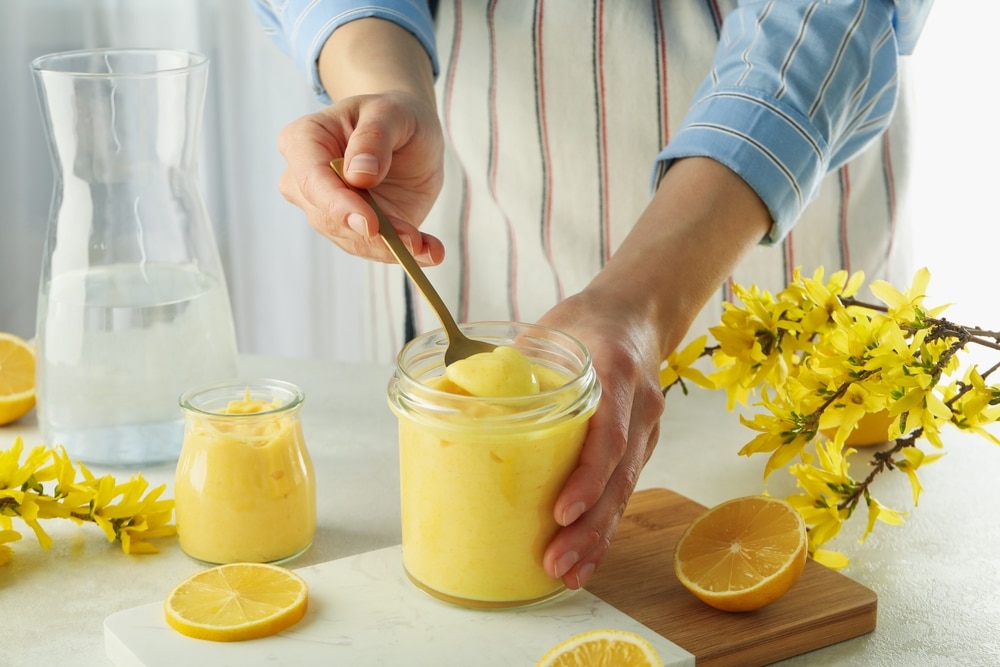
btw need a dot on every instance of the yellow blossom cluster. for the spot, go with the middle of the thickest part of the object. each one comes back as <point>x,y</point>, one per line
<point>822,361</point>
<point>127,512</point>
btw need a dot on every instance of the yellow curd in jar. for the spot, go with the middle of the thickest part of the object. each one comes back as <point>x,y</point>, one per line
<point>478,492</point>
<point>244,489</point>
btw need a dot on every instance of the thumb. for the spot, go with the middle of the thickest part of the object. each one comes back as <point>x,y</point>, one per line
<point>369,150</point>
<point>362,168</point>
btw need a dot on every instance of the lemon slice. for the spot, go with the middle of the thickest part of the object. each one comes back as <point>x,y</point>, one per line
<point>237,601</point>
<point>602,648</point>
<point>742,554</point>
<point>17,378</point>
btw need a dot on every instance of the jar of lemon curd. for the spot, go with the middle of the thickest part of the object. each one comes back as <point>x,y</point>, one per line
<point>244,489</point>
<point>479,475</point>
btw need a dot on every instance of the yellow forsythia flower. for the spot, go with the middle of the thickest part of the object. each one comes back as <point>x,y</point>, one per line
<point>128,512</point>
<point>680,366</point>
<point>822,360</point>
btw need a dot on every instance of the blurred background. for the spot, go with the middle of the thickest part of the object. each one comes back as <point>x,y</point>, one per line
<point>294,294</point>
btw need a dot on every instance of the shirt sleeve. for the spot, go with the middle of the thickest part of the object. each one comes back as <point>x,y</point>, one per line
<point>796,89</point>
<point>301,27</point>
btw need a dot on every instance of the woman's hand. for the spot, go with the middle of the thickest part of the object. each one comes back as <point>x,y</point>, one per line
<point>623,431</point>
<point>385,126</point>
<point>392,144</point>
<point>702,219</point>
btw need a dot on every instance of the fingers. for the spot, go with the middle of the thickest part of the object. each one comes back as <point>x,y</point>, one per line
<point>623,433</point>
<point>376,136</point>
<point>578,549</point>
<point>308,145</point>
<point>369,150</point>
<point>363,170</point>
<point>605,448</point>
<point>359,237</point>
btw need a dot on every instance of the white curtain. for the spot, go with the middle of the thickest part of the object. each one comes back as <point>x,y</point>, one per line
<point>293,293</point>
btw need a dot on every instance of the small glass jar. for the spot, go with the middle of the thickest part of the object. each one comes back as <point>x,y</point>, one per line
<point>479,476</point>
<point>244,489</point>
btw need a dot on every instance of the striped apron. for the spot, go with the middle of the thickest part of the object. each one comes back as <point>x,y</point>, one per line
<point>554,112</point>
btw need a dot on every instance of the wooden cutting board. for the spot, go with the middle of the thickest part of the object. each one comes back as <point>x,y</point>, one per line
<point>637,577</point>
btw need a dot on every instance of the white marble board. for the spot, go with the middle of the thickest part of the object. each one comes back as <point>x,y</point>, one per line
<point>363,612</point>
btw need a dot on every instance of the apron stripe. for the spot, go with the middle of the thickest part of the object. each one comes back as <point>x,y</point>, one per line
<point>493,157</point>
<point>602,135</point>
<point>845,199</point>
<point>543,143</point>
<point>662,105</point>
<point>716,14</point>
<point>463,224</point>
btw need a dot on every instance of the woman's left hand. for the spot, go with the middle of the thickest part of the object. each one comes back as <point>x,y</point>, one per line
<point>623,431</point>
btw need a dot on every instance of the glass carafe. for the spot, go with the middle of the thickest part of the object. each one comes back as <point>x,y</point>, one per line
<point>133,308</point>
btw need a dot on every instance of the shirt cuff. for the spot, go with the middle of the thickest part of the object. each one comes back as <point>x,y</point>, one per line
<point>771,146</point>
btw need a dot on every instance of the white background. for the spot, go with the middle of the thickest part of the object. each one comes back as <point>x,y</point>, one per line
<point>957,149</point>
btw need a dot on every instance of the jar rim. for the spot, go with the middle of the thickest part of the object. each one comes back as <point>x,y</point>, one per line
<point>581,350</point>
<point>235,388</point>
<point>409,393</point>
<point>62,62</point>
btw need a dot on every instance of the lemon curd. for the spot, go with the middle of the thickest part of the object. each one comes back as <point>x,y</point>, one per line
<point>486,446</point>
<point>244,489</point>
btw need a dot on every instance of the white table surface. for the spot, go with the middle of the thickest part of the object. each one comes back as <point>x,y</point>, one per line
<point>937,576</point>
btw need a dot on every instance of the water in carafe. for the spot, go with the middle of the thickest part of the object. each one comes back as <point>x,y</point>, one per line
<point>133,307</point>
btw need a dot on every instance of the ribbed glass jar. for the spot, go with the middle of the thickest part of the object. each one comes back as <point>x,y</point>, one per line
<point>479,476</point>
<point>244,489</point>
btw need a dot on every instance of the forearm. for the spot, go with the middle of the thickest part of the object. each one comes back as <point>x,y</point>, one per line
<point>372,55</point>
<point>701,221</point>
<point>303,27</point>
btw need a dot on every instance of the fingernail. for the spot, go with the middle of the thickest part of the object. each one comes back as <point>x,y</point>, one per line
<point>584,574</point>
<point>408,242</point>
<point>363,163</point>
<point>565,562</point>
<point>572,513</point>
<point>357,222</point>
<point>425,257</point>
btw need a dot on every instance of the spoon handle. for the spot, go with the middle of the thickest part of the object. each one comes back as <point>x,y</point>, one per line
<point>404,257</point>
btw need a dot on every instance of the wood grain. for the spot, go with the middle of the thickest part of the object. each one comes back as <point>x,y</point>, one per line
<point>637,577</point>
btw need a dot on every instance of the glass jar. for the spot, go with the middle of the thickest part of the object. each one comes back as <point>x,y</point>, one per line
<point>479,476</point>
<point>133,307</point>
<point>244,489</point>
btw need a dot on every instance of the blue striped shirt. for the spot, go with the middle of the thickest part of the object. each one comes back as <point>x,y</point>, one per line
<point>796,88</point>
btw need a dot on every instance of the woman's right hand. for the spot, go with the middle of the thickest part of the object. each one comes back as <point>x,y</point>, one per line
<point>391,144</point>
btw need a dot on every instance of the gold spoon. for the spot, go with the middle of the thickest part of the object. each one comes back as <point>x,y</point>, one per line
<point>460,346</point>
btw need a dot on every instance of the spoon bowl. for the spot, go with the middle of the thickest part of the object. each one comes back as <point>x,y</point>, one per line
<point>460,346</point>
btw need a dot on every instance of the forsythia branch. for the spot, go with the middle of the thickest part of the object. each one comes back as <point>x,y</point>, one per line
<point>128,512</point>
<point>829,365</point>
